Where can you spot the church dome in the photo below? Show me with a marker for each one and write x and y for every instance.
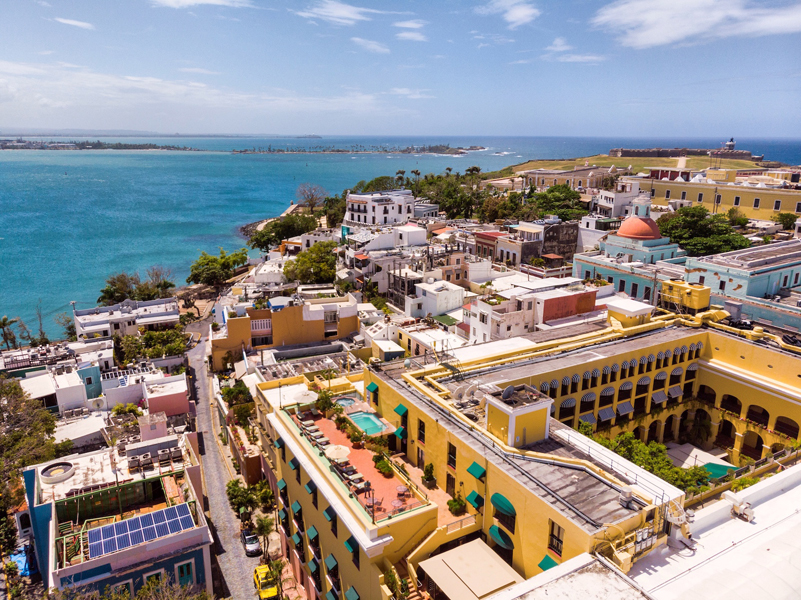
(638, 228)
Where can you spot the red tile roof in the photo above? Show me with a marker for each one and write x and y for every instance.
(361, 256)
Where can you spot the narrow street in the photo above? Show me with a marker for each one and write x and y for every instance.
(233, 573)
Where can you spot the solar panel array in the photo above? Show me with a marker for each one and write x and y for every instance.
(138, 530)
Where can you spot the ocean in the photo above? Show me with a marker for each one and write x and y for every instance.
(69, 219)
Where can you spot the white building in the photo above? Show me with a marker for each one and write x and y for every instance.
(434, 298)
(617, 203)
(125, 318)
(379, 208)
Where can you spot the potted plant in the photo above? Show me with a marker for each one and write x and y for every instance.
(356, 438)
(428, 476)
(457, 505)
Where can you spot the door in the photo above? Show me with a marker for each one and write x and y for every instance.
(185, 574)
(421, 458)
(450, 485)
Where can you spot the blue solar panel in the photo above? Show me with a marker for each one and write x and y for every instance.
(137, 537)
(183, 510)
(120, 528)
(95, 536)
(174, 525)
(187, 522)
(147, 520)
(158, 517)
(108, 532)
(162, 530)
(95, 549)
(171, 513)
(109, 546)
(123, 541)
(149, 533)
(134, 524)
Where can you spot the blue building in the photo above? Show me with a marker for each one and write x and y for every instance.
(108, 519)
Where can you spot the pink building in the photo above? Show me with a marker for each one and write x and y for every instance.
(168, 394)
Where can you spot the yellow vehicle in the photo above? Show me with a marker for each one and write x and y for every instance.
(265, 583)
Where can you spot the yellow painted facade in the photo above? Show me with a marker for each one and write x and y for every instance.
(741, 197)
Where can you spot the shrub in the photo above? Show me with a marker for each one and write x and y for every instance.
(215, 326)
(384, 468)
(428, 472)
(356, 436)
(457, 505)
(237, 394)
(743, 482)
(126, 409)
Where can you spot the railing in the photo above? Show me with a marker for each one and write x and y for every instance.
(463, 522)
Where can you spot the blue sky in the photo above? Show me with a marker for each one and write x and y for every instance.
(482, 67)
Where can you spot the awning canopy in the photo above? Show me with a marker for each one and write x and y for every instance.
(372, 387)
(476, 470)
(501, 538)
(475, 499)
(400, 433)
(281, 485)
(352, 594)
(547, 563)
(330, 562)
(329, 514)
(588, 398)
(675, 392)
(588, 418)
(624, 408)
(351, 544)
(296, 508)
(282, 514)
(296, 540)
(330, 595)
(313, 566)
(279, 443)
(502, 504)
(569, 403)
(293, 463)
(401, 409)
(311, 532)
(311, 487)
(658, 397)
(606, 414)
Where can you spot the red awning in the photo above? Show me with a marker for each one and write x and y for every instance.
(361, 257)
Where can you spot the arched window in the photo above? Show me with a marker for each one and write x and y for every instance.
(585, 385)
(575, 383)
(565, 386)
(554, 388)
(624, 391)
(614, 370)
(642, 386)
(605, 375)
(595, 375)
(607, 397)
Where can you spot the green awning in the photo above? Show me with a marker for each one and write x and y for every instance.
(312, 532)
(401, 409)
(352, 594)
(475, 499)
(330, 562)
(547, 562)
(351, 544)
(296, 508)
(400, 433)
(446, 320)
(313, 566)
(294, 464)
(282, 514)
(503, 505)
(310, 487)
(372, 387)
(330, 595)
(476, 470)
(501, 538)
(279, 443)
(329, 514)
(296, 540)
(281, 485)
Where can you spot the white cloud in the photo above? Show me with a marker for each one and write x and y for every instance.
(199, 71)
(580, 58)
(81, 24)
(650, 23)
(411, 36)
(410, 93)
(412, 24)
(488, 39)
(190, 3)
(522, 61)
(370, 45)
(514, 12)
(337, 13)
(43, 3)
(559, 45)
(46, 52)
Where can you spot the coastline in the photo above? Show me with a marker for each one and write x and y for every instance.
(249, 229)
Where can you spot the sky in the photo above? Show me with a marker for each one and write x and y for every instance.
(413, 67)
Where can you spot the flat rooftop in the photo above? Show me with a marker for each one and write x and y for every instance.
(769, 256)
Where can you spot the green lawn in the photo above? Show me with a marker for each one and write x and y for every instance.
(637, 164)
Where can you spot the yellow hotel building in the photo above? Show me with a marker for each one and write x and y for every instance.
(496, 422)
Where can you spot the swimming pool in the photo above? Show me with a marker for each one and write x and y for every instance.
(367, 422)
(345, 401)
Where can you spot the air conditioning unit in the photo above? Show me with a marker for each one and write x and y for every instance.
(626, 497)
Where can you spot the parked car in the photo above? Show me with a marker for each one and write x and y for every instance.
(250, 542)
(264, 582)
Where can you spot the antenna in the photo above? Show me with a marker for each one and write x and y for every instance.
(507, 393)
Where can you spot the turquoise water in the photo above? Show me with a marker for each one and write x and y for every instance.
(70, 219)
(346, 401)
(367, 422)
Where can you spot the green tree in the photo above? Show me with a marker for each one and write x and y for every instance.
(264, 527)
(310, 195)
(240, 497)
(315, 265)
(786, 220)
(67, 323)
(163, 589)
(6, 325)
(737, 217)
(237, 394)
(216, 270)
(119, 287)
(281, 229)
(699, 233)
(123, 286)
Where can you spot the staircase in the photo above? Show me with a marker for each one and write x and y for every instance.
(403, 575)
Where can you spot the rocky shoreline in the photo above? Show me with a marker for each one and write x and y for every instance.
(249, 229)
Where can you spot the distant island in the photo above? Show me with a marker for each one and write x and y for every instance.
(360, 149)
(21, 144)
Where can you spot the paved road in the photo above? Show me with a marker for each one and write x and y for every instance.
(234, 576)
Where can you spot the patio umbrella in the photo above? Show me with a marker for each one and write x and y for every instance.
(305, 397)
(337, 452)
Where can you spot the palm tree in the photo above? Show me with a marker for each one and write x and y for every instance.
(399, 176)
(276, 570)
(8, 335)
(264, 527)
(448, 171)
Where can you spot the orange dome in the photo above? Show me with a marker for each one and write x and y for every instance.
(637, 228)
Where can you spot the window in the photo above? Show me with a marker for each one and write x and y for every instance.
(185, 574)
(556, 538)
(88, 381)
(684, 195)
(530, 305)
(610, 279)
(119, 587)
(154, 576)
(795, 279)
(756, 202)
(421, 431)
(505, 520)
(722, 286)
(451, 456)
(798, 207)
(667, 194)
(700, 197)
(784, 283)
(634, 290)
(701, 279)
(777, 205)
(647, 295)
(621, 287)
(737, 201)
(653, 192)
